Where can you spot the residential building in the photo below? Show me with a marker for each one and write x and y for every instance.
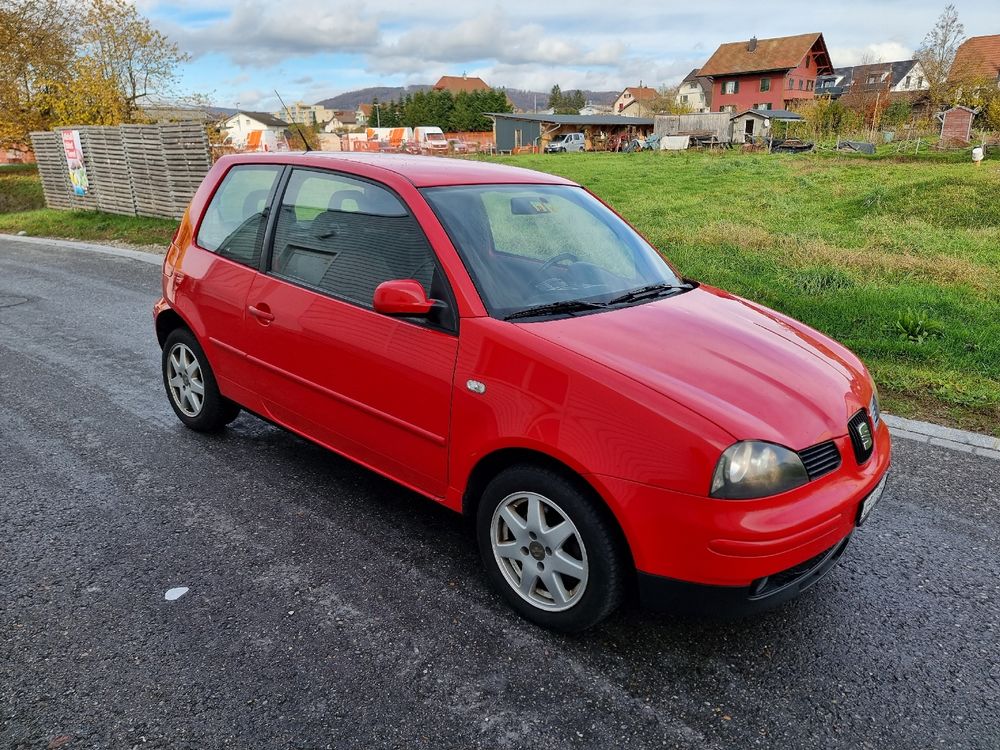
(978, 57)
(305, 114)
(766, 73)
(362, 114)
(458, 84)
(253, 128)
(695, 93)
(899, 77)
(341, 120)
(635, 101)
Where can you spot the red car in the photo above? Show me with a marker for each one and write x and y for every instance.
(502, 342)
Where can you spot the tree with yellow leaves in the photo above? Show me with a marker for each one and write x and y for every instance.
(79, 63)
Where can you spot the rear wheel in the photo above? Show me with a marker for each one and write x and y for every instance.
(550, 550)
(191, 387)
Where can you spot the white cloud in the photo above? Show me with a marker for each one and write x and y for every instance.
(871, 53)
(258, 34)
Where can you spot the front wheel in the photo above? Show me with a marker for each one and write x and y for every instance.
(191, 386)
(550, 550)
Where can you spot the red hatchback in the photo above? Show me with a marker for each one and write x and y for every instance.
(502, 342)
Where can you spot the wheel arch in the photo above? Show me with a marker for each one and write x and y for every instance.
(167, 321)
(495, 462)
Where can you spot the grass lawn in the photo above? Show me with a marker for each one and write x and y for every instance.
(22, 208)
(855, 247)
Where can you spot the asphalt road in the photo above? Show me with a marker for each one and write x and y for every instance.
(330, 608)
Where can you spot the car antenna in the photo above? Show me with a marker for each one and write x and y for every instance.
(298, 126)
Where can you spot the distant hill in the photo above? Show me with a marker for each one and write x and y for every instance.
(351, 99)
(524, 100)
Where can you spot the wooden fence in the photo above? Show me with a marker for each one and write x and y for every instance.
(139, 170)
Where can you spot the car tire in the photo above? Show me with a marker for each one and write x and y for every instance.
(584, 564)
(190, 384)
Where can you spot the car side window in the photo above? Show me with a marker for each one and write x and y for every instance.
(345, 237)
(233, 225)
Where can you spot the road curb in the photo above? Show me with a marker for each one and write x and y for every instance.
(944, 437)
(908, 429)
(122, 252)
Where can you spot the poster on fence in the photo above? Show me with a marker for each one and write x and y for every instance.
(74, 160)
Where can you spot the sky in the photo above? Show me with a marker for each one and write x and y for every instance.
(309, 50)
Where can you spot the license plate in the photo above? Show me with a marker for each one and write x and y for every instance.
(873, 497)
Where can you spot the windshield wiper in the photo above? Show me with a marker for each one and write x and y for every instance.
(555, 308)
(646, 292)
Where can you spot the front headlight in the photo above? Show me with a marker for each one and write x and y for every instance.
(756, 469)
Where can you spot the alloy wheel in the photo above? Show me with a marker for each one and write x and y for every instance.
(185, 380)
(539, 551)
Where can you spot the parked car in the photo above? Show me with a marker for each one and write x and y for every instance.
(459, 146)
(566, 142)
(502, 342)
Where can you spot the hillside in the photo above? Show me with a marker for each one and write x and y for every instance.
(523, 100)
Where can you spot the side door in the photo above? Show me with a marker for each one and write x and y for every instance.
(372, 387)
(211, 283)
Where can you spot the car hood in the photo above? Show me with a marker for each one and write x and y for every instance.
(755, 373)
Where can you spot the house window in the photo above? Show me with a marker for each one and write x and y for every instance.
(789, 83)
(763, 105)
(684, 99)
(920, 82)
(765, 84)
(907, 82)
(809, 85)
(800, 84)
(731, 87)
(871, 80)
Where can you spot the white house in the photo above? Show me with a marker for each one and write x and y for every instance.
(900, 77)
(694, 93)
(254, 129)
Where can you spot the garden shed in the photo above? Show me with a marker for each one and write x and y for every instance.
(956, 124)
(758, 123)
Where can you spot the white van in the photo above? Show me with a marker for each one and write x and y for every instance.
(566, 142)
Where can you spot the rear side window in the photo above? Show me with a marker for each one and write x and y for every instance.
(345, 237)
(233, 225)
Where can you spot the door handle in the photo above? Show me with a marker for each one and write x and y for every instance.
(262, 313)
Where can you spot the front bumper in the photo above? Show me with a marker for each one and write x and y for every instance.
(666, 594)
(737, 543)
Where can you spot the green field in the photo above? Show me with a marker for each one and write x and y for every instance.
(22, 209)
(898, 259)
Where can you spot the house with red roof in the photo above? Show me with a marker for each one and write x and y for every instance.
(766, 73)
(634, 101)
(977, 58)
(458, 84)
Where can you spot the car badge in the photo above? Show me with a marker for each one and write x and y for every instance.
(865, 433)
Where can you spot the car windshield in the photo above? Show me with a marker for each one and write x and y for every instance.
(554, 248)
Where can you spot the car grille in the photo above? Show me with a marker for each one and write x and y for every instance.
(820, 459)
(862, 436)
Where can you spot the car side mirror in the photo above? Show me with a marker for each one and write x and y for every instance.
(402, 297)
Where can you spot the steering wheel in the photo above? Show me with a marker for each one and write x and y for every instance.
(553, 260)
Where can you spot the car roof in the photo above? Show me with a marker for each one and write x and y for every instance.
(422, 171)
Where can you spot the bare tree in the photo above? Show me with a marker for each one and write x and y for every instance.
(937, 53)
